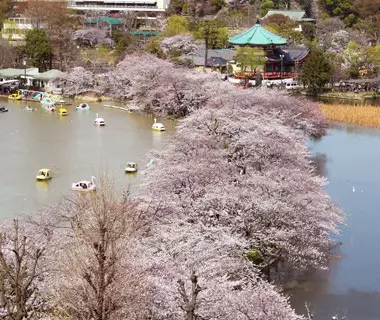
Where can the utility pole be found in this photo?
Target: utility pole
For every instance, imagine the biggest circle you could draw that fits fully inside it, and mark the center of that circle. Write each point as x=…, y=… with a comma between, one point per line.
x=282, y=58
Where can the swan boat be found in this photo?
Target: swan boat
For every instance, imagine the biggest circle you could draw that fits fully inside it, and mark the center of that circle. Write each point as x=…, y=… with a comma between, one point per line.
x=29, y=108
x=158, y=126
x=62, y=111
x=99, y=121
x=50, y=108
x=44, y=174
x=83, y=106
x=131, y=167
x=84, y=185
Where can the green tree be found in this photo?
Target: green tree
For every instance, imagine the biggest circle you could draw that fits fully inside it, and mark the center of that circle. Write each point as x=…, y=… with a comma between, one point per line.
x=374, y=57
x=250, y=57
x=308, y=31
x=336, y=62
x=219, y=4
x=38, y=49
x=266, y=5
x=153, y=47
x=177, y=25
x=177, y=7
x=343, y=9
x=356, y=58
x=367, y=8
x=124, y=43
x=213, y=33
x=6, y=9
x=371, y=26
x=316, y=71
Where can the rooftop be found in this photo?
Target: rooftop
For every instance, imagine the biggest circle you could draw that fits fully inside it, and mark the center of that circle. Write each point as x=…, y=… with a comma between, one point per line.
x=216, y=57
x=110, y=20
x=296, y=15
x=30, y=72
x=257, y=36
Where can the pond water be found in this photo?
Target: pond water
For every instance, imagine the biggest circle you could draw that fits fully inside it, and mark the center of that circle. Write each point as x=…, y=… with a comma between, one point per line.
x=72, y=147
x=351, y=286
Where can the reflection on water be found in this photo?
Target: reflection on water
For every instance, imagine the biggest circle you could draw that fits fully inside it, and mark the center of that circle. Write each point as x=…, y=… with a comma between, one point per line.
x=352, y=285
x=319, y=161
x=72, y=147
x=355, y=102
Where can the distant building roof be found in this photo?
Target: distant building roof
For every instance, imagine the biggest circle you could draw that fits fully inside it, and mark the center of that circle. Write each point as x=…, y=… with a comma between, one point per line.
x=290, y=54
x=48, y=75
x=296, y=15
x=109, y=20
x=216, y=57
x=144, y=33
x=15, y=73
x=257, y=36
x=30, y=72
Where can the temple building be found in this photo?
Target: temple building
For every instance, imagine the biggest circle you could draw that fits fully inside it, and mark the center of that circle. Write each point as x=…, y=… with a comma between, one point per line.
x=282, y=63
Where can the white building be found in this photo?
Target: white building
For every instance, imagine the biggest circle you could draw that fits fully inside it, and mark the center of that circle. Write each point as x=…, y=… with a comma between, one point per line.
x=120, y=5
x=14, y=29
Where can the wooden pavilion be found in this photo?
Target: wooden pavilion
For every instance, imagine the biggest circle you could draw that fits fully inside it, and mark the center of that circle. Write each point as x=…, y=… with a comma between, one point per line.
x=281, y=63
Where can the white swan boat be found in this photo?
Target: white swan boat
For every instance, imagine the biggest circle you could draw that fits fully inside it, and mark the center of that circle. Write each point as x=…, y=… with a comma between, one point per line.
x=99, y=121
x=83, y=106
x=29, y=108
x=84, y=185
x=50, y=108
x=131, y=167
x=158, y=126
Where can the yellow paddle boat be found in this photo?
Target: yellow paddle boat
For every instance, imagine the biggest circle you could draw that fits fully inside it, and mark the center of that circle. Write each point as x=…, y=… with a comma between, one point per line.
x=44, y=174
x=62, y=111
x=15, y=96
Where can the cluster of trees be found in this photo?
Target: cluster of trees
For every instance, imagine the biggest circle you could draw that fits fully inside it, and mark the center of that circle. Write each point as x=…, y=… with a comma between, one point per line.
x=231, y=197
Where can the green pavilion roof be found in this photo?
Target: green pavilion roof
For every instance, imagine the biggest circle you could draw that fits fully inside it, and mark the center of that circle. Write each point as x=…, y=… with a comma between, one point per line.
x=48, y=75
x=15, y=73
x=257, y=36
x=110, y=20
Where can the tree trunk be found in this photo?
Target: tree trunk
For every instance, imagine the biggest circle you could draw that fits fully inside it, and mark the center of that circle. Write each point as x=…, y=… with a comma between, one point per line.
x=101, y=276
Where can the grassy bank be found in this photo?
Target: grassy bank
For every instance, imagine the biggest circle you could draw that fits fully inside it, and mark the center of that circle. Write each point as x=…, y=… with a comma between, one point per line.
x=367, y=116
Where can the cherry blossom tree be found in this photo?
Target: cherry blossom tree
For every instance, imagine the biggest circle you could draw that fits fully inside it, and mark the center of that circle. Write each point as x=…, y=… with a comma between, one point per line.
x=198, y=272
x=91, y=37
x=22, y=270
x=182, y=44
x=237, y=194
x=76, y=81
x=92, y=274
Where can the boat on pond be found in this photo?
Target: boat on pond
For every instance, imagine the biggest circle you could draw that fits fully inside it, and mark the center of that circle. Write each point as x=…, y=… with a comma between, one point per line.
x=29, y=108
x=15, y=96
x=84, y=185
x=99, y=121
x=83, y=106
x=158, y=126
x=43, y=175
x=131, y=167
x=62, y=111
x=50, y=108
x=3, y=109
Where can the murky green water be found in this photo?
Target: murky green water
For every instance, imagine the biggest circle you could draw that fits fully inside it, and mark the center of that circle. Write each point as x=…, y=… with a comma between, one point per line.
x=72, y=147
